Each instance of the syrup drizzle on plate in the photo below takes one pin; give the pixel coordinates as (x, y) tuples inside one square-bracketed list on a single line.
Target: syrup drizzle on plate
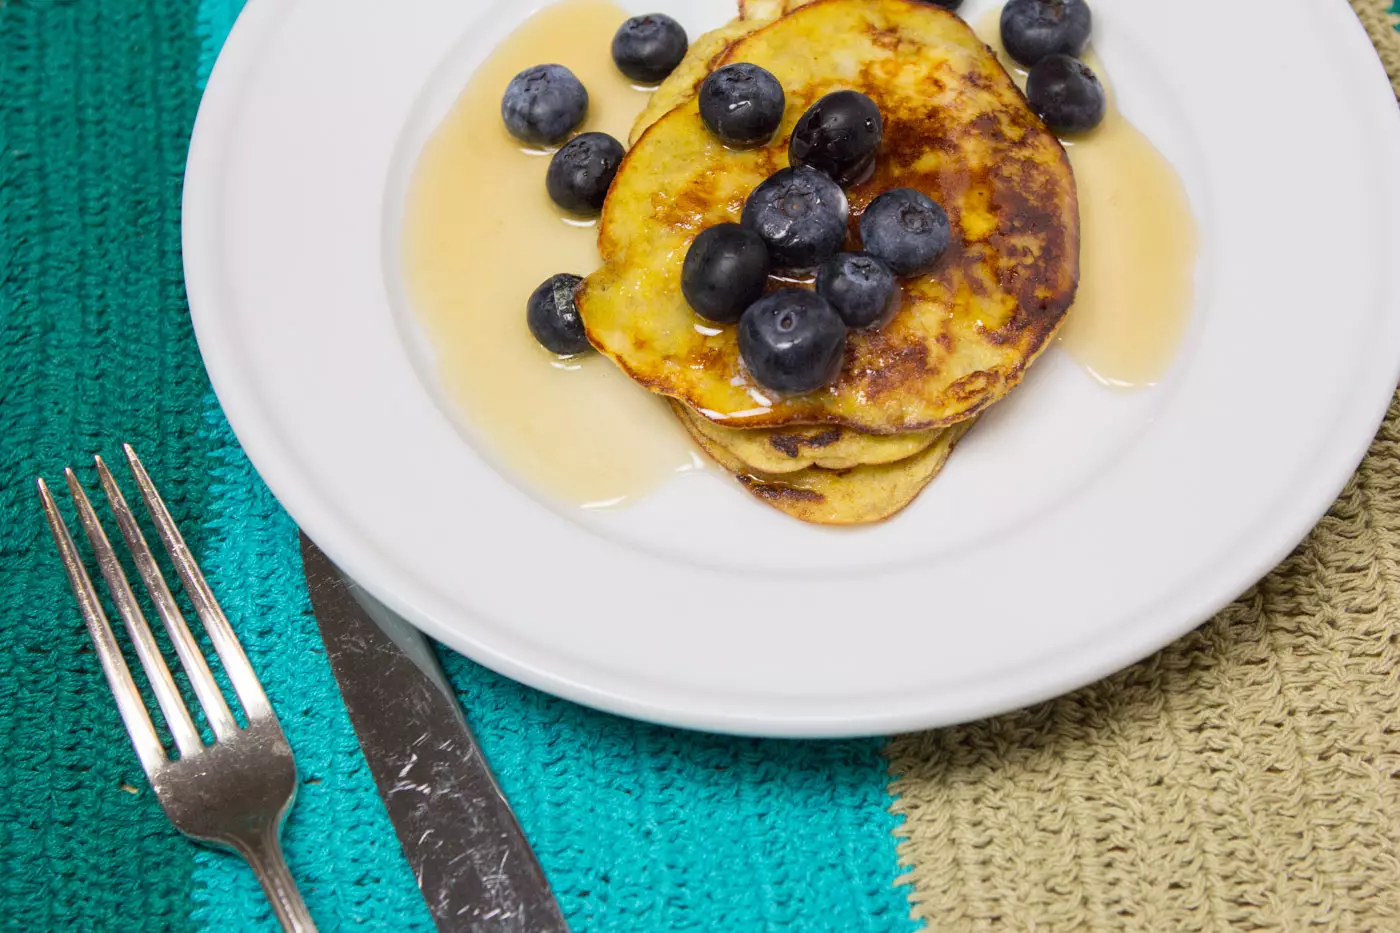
[(1138, 245), (474, 249), (579, 429)]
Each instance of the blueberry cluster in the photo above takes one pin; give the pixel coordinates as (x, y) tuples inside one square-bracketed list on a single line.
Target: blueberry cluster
[(796, 222), (1048, 36), (544, 106)]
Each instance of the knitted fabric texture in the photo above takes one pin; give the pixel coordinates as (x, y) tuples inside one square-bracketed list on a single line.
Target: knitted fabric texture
[(1246, 778), (95, 349)]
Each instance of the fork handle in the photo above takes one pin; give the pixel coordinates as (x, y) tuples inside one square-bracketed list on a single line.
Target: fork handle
[(264, 856)]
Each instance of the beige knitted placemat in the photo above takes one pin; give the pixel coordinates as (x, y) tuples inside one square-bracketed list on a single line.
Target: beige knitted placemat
[(1246, 778)]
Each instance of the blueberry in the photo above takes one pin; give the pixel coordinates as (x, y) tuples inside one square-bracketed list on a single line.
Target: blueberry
[(580, 173), (742, 104), (906, 230), (949, 5), (839, 135), (552, 315), (1033, 29), (1066, 93), (648, 48), (724, 272), (801, 214), (792, 341), (860, 287), (543, 105)]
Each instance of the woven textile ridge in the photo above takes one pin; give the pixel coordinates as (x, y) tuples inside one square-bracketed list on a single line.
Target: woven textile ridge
[(1246, 778), (94, 349)]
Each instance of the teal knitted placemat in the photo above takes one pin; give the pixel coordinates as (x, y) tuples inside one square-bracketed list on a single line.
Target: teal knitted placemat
[(94, 347), (639, 828)]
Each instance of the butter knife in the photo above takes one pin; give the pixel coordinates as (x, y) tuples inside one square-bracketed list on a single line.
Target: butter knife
[(473, 865)]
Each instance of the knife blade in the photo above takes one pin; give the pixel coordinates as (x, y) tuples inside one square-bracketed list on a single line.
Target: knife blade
[(473, 865)]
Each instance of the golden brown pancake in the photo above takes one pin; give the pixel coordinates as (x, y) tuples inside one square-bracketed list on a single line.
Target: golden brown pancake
[(857, 496), (771, 450), (760, 10), (956, 128), (787, 450)]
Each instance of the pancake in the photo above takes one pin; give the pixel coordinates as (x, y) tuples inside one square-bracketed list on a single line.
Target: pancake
[(858, 496), (956, 128), (777, 450), (760, 10), (787, 450), (770, 450)]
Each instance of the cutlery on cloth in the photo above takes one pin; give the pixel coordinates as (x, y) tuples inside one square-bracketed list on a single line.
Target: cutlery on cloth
[(471, 860), (234, 792)]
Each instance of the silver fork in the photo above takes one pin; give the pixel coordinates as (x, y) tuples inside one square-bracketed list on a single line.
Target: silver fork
[(234, 793)]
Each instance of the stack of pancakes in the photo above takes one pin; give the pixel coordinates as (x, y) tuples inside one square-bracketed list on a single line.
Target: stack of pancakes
[(956, 128)]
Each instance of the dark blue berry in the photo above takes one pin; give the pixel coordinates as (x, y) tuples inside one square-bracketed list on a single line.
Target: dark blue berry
[(648, 48), (946, 4), (552, 315), (839, 135), (801, 214), (792, 341), (580, 173), (860, 287), (742, 104), (543, 105), (906, 230), (724, 272), (1066, 93), (1033, 29)]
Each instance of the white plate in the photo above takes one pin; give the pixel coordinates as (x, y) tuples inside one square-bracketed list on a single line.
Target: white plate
[(1075, 531)]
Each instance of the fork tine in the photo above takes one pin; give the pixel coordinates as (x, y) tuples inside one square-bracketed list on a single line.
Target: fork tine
[(240, 672), (133, 710), (162, 684), (206, 688)]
